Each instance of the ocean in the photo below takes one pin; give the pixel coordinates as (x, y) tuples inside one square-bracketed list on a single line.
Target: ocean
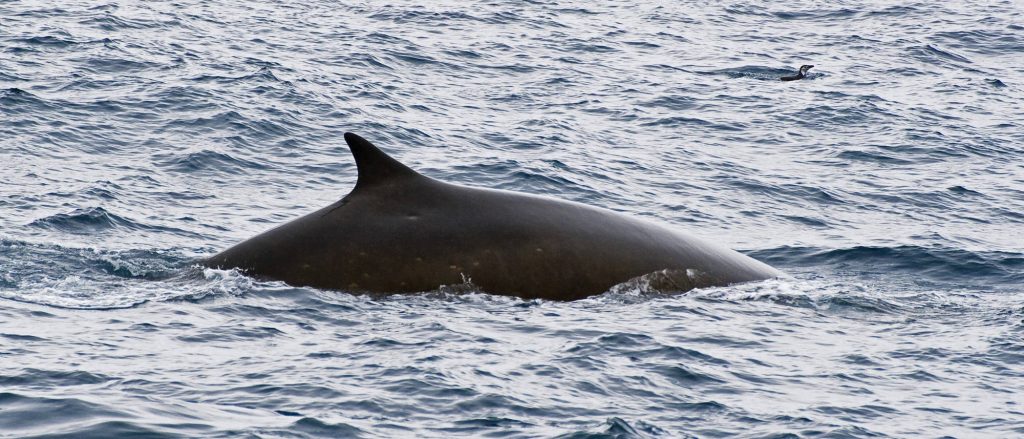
[(137, 138)]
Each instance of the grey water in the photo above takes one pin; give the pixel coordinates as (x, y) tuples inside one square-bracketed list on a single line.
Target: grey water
[(139, 137)]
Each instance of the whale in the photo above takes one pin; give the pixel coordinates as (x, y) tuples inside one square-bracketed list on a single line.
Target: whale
[(399, 231)]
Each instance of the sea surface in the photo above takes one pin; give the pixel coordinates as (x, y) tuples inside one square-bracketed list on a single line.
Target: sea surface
[(139, 137)]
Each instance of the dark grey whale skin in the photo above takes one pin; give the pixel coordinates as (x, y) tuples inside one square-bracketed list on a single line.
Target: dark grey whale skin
[(402, 232)]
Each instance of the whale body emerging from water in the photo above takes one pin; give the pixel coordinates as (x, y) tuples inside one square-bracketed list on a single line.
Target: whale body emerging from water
[(402, 232)]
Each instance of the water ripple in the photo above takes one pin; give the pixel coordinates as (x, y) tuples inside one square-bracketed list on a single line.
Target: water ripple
[(138, 138)]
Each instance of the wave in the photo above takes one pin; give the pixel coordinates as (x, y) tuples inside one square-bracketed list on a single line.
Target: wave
[(13, 96), (616, 428), (78, 417), (924, 264), (86, 220), (264, 74), (94, 220), (113, 23), (87, 278), (45, 40), (206, 160), (933, 55)]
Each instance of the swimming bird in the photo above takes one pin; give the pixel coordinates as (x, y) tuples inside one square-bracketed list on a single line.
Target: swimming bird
[(799, 75)]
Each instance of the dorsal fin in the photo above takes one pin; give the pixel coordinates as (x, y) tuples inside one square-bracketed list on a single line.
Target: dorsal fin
[(374, 166)]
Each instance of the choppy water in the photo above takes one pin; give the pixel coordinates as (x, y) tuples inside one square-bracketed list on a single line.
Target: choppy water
[(136, 138)]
